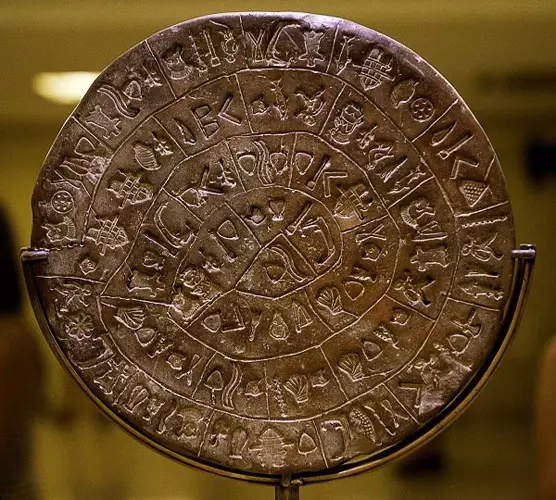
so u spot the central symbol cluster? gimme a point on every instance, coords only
(272, 240)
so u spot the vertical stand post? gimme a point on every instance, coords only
(287, 489)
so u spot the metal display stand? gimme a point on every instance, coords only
(287, 486)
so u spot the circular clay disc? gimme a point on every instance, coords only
(274, 242)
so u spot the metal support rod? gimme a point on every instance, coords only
(287, 489)
(286, 492)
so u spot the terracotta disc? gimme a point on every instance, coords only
(276, 242)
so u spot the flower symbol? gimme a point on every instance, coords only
(79, 325)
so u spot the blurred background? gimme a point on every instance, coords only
(500, 56)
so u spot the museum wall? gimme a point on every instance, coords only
(78, 453)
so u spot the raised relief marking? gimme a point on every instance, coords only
(225, 234)
(473, 191)
(277, 207)
(319, 379)
(186, 134)
(216, 179)
(255, 388)
(329, 297)
(273, 52)
(131, 317)
(440, 137)
(71, 295)
(306, 444)
(266, 164)
(480, 250)
(346, 123)
(271, 449)
(478, 290)
(403, 92)
(88, 265)
(413, 290)
(298, 387)
(422, 109)
(256, 44)
(481, 273)
(60, 232)
(312, 107)
(278, 328)
(232, 320)
(129, 188)
(276, 105)
(255, 320)
(405, 183)
(194, 290)
(143, 282)
(145, 155)
(344, 58)
(351, 365)
(231, 387)
(371, 251)
(174, 238)
(62, 202)
(187, 424)
(124, 100)
(383, 333)
(238, 443)
(215, 383)
(301, 218)
(376, 69)
(148, 74)
(282, 265)
(439, 373)
(419, 215)
(98, 118)
(255, 215)
(209, 117)
(371, 350)
(484, 222)
(469, 328)
(228, 43)
(219, 432)
(263, 240)
(459, 162)
(399, 316)
(363, 237)
(153, 260)
(85, 164)
(354, 284)
(362, 424)
(312, 41)
(301, 316)
(276, 388)
(153, 406)
(116, 375)
(323, 173)
(79, 325)
(213, 57)
(178, 67)
(107, 234)
(324, 165)
(153, 341)
(138, 396)
(336, 437)
(388, 416)
(355, 200)
(425, 259)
